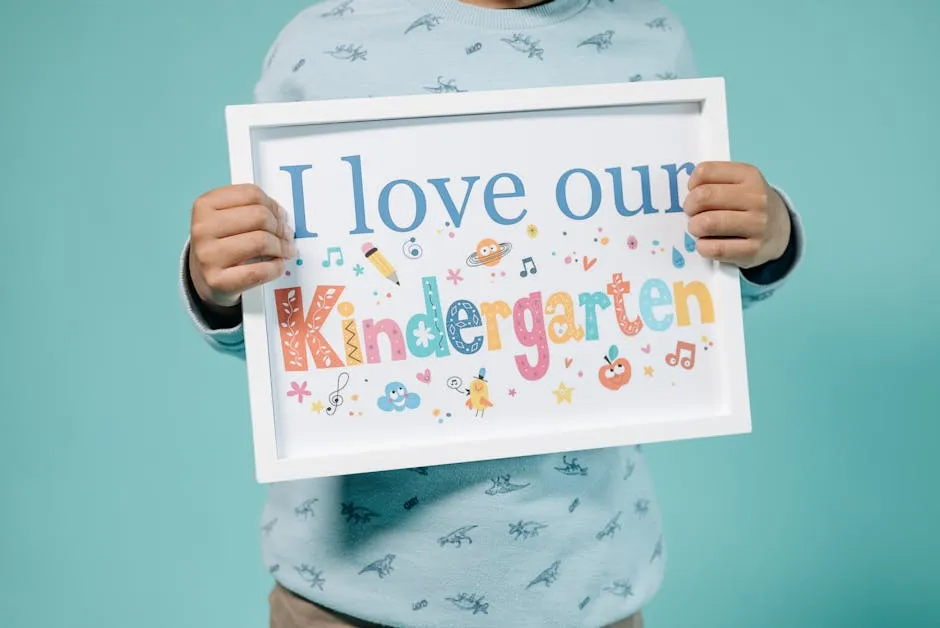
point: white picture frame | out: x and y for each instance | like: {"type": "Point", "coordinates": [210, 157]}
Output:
{"type": "Point", "coordinates": [702, 100]}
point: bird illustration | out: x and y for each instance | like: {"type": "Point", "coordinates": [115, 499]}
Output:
{"type": "Point", "coordinates": [478, 395]}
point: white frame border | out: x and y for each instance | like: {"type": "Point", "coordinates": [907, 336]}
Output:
{"type": "Point", "coordinates": [242, 120]}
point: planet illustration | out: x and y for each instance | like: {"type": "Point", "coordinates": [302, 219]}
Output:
{"type": "Point", "coordinates": [489, 253]}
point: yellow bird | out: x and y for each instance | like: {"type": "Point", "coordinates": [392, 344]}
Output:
{"type": "Point", "coordinates": [478, 395]}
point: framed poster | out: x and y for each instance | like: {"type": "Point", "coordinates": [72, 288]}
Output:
{"type": "Point", "coordinates": [487, 275]}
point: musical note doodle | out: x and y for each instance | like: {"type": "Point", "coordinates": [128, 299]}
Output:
{"type": "Point", "coordinates": [333, 251]}
{"type": "Point", "coordinates": [455, 383]}
{"type": "Point", "coordinates": [526, 263]}
{"type": "Point", "coordinates": [676, 359]}
{"type": "Point", "coordinates": [336, 399]}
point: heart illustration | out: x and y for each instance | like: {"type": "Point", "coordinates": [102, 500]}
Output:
{"type": "Point", "coordinates": [645, 349]}
{"type": "Point", "coordinates": [568, 362]}
{"type": "Point", "coordinates": [588, 264]}
{"type": "Point", "coordinates": [424, 377]}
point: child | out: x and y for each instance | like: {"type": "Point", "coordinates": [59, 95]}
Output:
{"type": "Point", "coordinates": [507, 543]}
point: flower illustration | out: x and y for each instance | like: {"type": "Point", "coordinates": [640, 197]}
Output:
{"type": "Point", "coordinates": [298, 390]}
{"type": "Point", "coordinates": [454, 275]}
{"type": "Point", "coordinates": [423, 334]}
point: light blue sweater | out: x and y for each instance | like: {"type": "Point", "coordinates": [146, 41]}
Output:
{"type": "Point", "coordinates": [508, 543]}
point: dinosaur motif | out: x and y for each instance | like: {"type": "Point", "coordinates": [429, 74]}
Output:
{"type": "Point", "coordinates": [525, 44]}
{"type": "Point", "coordinates": [612, 526]}
{"type": "Point", "coordinates": [266, 528]}
{"type": "Point", "coordinates": [305, 510]}
{"type": "Point", "coordinates": [501, 485]}
{"type": "Point", "coordinates": [547, 577]}
{"type": "Point", "coordinates": [429, 21]}
{"type": "Point", "coordinates": [357, 514]}
{"type": "Point", "coordinates": [311, 575]}
{"type": "Point", "coordinates": [572, 467]}
{"type": "Point", "coordinates": [340, 10]}
{"type": "Point", "coordinates": [620, 588]}
{"type": "Point", "coordinates": [457, 537]}
{"type": "Point", "coordinates": [470, 602]}
{"type": "Point", "coordinates": [601, 41]}
{"type": "Point", "coordinates": [348, 52]}
{"type": "Point", "coordinates": [525, 530]}
{"type": "Point", "coordinates": [442, 87]}
{"type": "Point", "coordinates": [382, 567]}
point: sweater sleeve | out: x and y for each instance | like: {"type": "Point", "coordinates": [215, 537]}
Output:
{"type": "Point", "coordinates": [761, 282]}
{"type": "Point", "coordinates": [230, 340]}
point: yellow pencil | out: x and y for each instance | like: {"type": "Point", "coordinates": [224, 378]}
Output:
{"type": "Point", "coordinates": [380, 262]}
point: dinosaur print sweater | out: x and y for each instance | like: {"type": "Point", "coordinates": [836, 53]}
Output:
{"type": "Point", "coordinates": [557, 540]}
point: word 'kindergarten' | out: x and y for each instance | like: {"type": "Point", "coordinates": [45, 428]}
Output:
{"type": "Point", "coordinates": [466, 327]}
{"type": "Point", "coordinates": [411, 199]}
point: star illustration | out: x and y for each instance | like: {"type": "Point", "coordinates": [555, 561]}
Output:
{"type": "Point", "coordinates": [317, 406]}
{"type": "Point", "coordinates": [512, 392]}
{"type": "Point", "coordinates": [648, 371]}
{"type": "Point", "coordinates": [358, 269]}
{"type": "Point", "coordinates": [563, 393]}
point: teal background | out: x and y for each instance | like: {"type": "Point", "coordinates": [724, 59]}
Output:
{"type": "Point", "coordinates": [128, 496]}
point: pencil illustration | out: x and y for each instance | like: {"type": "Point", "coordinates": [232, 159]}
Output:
{"type": "Point", "coordinates": [380, 262]}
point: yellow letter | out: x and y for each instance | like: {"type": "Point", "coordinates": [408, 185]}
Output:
{"type": "Point", "coordinates": [681, 294]}
{"type": "Point", "coordinates": [490, 311]}
{"type": "Point", "coordinates": [565, 320]}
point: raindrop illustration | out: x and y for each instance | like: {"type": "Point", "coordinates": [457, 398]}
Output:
{"type": "Point", "coordinates": [689, 243]}
{"type": "Point", "coordinates": [677, 260]}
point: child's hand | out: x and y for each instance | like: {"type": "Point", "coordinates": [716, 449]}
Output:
{"type": "Point", "coordinates": [735, 215]}
{"type": "Point", "coordinates": [230, 226]}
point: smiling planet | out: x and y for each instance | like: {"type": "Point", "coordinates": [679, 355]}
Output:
{"type": "Point", "coordinates": [489, 253]}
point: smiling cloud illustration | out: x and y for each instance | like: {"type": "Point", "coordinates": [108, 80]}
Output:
{"type": "Point", "coordinates": [398, 399]}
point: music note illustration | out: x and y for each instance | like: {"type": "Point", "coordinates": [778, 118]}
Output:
{"type": "Point", "coordinates": [675, 359]}
{"type": "Point", "coordinates": [336, 399]}
{"type": "Point", "coordinates": [526, 263]}
{"type": "Point", "coordinates": [333, 251]}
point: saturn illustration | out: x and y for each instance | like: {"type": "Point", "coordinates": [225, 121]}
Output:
{"type": "Point", "coordinates": [489, 253]}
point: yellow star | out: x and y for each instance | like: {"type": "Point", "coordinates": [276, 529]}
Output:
{"type": "Point", "coordinates": [563, 393]}
{"type": "Point", "coordinates": [317, 406]}
{"type": "Point", "coordinates": [648, 371]}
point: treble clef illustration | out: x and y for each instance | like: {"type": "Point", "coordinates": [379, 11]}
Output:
{"type": "Point", "coordinates": [336, 399]}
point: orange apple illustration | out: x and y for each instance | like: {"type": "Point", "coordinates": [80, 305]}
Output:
{"type": "Point", "coordinates": [615, 374]}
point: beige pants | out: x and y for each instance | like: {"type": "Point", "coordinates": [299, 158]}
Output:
{"type": "Point", "coordinates": [291, 611]}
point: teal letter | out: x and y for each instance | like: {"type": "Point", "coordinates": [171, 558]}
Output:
{"type": "Point", "coordinates": [591, 301]}
{"type": "Point", "coordinates": [433, 321]}
{"type": "Point", "coordinates": [648, 301]}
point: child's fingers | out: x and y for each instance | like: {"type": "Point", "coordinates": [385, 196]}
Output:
{"type": "Point", "coordinates": [727, 224]}
{"type": "Point", "coordinates": [738, 251]}
{"type": "Point", "coordinates": [240, 248]}
{"type": "Point", "coordinates": [249, 218]}
{"type": "Point", "coordinates": [722, 172]}
{"type": "Point", "coordinates": [240, 278]}
{"type": "Point", "coordinates": [723, 196]}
